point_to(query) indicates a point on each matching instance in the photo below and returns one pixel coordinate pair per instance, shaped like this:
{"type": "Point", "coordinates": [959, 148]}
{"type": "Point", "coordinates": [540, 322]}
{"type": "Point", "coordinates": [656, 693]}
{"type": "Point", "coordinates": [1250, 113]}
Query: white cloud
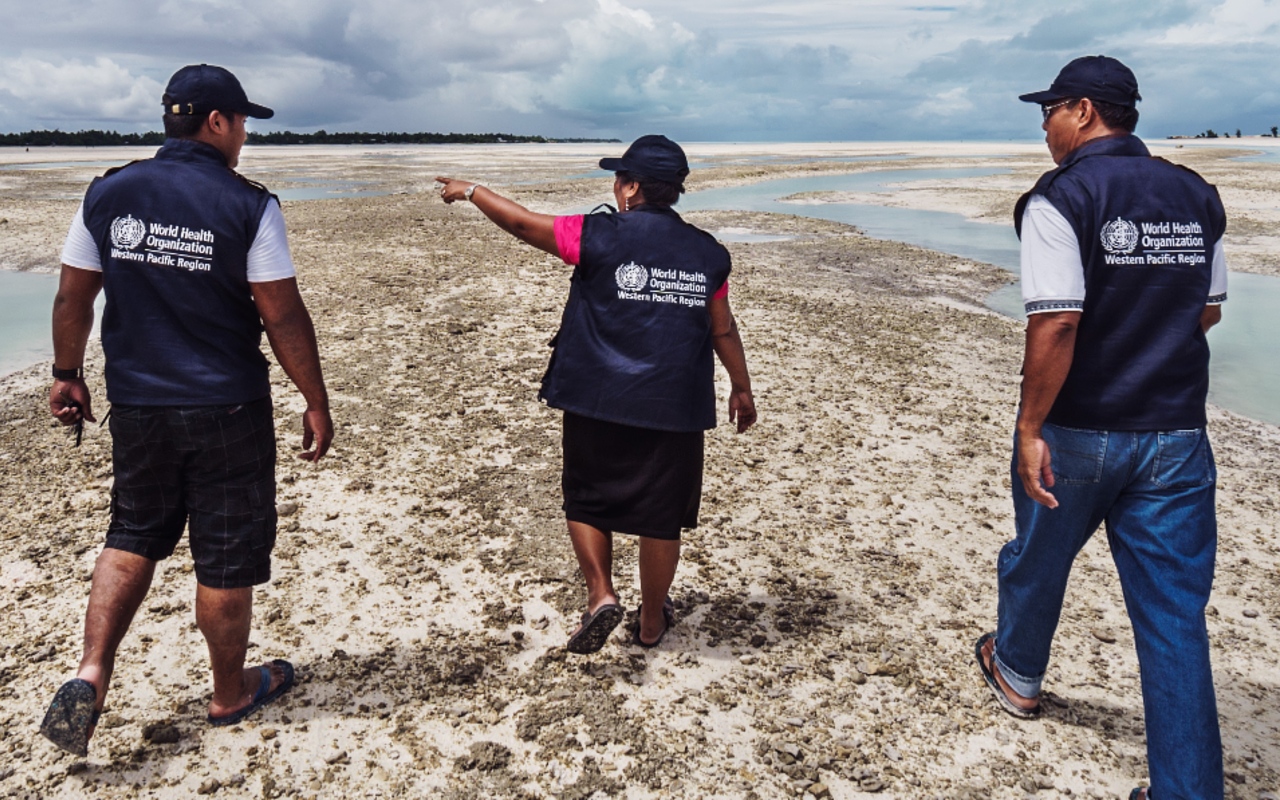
{"type": "Point", "coordinates": [1232, 23]}
{"type": "Point", "coordinates": [621, 59]}
{"type": "Point", "coordinates": [77, 90]}
{"type": "Point", "coordinates": [950, 103]}
{"type": "Point", "coordinates": [613, 60]}
{"type": "Point", "coordinates": [712, 69]}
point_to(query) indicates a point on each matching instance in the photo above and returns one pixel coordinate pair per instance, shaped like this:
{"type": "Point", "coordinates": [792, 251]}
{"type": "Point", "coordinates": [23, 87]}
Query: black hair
{"type": "Point", "coordinates": [659, 193]}
{"type": "Point", "coordinates": [1117, 117]}
{"type": "Point", "coordinates": [185, 126]}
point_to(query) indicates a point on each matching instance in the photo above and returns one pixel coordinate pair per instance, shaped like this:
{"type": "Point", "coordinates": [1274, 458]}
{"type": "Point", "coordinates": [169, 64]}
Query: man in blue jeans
{"type": "Point", "coordinates": [1122, 275]}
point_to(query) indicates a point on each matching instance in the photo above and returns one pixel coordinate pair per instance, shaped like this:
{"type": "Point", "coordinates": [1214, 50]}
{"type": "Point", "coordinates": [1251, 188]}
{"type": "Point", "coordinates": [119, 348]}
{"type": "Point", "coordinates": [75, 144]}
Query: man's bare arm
{"type": "Point", "coordinates": [293, 340]}
{"type": "Point", "coordinates": [1051, 343]}
{"type": "Point", "coordinates": [72, 322]}
{"type": "Point", "coordinates": [1211, 316]}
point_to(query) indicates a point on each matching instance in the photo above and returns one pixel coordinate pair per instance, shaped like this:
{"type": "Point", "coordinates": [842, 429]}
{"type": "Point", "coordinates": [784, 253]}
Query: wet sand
{"type": "Point", "coordinates": [424, 585]}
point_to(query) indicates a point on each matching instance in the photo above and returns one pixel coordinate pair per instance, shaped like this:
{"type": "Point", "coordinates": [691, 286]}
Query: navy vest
{"type": "Point", "coordinates": [180, 327]}
{"type": "Point", "coordinates": [634, 345]}
{"type": "Point", "coordinates": [1146, 230]}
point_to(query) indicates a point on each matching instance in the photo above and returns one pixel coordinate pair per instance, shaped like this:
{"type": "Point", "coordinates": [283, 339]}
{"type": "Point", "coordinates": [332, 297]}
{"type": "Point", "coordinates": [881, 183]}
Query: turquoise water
{"type": "Point", "coordinates": [26, 309]}
{"type": "Point", "coordinates": [26, 318]}
{"type": "Point", "coordinates": [1245, 365]}
{"type": "Point", "coordinates": [1268, 157]}
{"type": "Point", "coordinates": [936, 230]}
{"type": "Point", "coordinates": [1244, 369]}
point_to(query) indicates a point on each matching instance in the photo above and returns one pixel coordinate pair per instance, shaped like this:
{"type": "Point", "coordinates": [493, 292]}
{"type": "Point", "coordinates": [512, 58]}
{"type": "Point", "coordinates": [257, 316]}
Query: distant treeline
{"type": "Point", "coordinates": [78, 139]}
{"type": "Point", "coordinates": [112, 138]}
{"type": "Point", "coordinates": [1212, 134]}
{"type": "Point", "coordinates": [323, 137]}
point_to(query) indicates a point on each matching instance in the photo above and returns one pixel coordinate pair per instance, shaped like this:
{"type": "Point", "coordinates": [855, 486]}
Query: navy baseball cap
{"type": "Point", "coordinates": [201, 88]}
{"type": "Point", "coordinates": [653, 156]}
{"type": "Point", "coordinates": [1100, 78]}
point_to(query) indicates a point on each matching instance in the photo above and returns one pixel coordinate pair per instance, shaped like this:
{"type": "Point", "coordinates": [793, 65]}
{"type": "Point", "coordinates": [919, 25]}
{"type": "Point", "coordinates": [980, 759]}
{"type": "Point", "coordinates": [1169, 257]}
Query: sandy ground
{"type": "Point", "coordinates": [424, 585]}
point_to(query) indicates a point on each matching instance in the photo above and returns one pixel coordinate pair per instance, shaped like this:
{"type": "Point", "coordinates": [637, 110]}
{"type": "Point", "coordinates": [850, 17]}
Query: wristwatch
{"type": "Point", "coordinates": [68, 374]}
{"type": "Point", "coordinates": [470, 189]}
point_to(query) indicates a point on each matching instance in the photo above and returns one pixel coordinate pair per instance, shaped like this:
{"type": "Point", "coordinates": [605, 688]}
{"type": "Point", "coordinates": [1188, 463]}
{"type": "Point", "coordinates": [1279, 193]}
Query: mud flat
{"type": "Point", "coordinates": [424, 585]}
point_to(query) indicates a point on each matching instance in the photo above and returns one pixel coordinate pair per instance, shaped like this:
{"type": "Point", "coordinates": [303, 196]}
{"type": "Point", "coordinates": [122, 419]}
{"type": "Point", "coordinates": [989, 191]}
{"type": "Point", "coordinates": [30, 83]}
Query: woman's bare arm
{"type": "Point", "coordinates": [728, 346]}
{"type": "Point", "coordinates": [527, 226]}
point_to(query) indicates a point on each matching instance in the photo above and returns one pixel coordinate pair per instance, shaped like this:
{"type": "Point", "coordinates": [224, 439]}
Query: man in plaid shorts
{"type": "Point", "coordinates": [194, 261]}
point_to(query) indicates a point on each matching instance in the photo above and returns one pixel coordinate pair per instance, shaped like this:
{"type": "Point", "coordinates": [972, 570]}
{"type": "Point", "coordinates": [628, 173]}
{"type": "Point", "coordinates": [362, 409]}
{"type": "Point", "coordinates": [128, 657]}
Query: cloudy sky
{"type": "Point", "coordinates": [796, 70]}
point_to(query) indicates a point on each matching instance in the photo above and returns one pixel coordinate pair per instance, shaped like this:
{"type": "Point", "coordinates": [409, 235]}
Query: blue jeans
{"type": "Point", "coordinates": [1155, 491]}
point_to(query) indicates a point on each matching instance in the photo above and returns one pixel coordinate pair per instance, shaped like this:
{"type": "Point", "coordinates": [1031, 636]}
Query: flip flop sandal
{"type": "Point", "coordinates": [1141, 793]}
{"type": "Point", "coordinates": [595, 629]}
{"type": "Point", "coordinates": [989, 676]}
{"type": "Point", "coordinates": [71, 715]}
{"type": "Point", "coordinates": [262, 697]}
{"type": "Point", "coordinates": [668, 614]}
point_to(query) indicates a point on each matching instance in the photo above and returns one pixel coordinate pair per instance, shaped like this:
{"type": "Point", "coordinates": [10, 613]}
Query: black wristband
{"type": "Point", "coordinates": [68, 374]}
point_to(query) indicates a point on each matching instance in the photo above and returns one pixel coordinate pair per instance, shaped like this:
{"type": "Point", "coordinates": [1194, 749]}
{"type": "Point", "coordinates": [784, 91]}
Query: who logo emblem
{"type": "Point", "coordinates": [127, 232]}
{"type": "Point", "coordinates": [1119, 236]}
{"type": "Point", "coordinates": [631, 277]}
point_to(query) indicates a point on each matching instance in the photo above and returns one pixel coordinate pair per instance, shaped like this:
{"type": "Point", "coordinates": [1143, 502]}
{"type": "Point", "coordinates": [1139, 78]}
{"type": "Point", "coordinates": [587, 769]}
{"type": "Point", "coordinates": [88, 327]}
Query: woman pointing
{"type": "Point", "coordinates": [632, 370]}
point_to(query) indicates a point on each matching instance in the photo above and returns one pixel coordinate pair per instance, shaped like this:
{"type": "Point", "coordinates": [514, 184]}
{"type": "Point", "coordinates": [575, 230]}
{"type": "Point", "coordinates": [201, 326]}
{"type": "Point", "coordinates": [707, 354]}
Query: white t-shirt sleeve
{"type": "Point", "coordinates": [269, 258]}
{"type": "Point", "coordinates": [80, 250]}
{"type": "Point", "coordinates": [1218, 283]}
{"type": "Point", "coordinates": [1052, 269]}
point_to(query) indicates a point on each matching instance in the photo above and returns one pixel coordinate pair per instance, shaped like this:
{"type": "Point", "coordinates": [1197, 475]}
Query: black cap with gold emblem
{"type": "Point", "coordinates": [201, 88]}
{"type": "Point", "coordinates": [1099, 78]}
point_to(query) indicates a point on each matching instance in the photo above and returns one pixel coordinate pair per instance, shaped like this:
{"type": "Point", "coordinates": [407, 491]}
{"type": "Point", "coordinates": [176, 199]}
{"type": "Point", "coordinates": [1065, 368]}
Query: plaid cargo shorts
{"type": "Point", "coordinates": [209, 467]}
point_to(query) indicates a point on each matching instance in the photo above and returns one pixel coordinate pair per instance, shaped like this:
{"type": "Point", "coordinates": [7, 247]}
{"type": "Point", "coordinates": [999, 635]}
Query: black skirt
{"type": "Point", "coordinates": [625, 479]}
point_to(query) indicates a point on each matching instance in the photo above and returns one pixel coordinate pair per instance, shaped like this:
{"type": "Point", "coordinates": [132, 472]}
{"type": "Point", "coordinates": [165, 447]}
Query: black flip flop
{"type": "Point", "coordinates": [595, 629]}
{"type": "Point", "coordinates": [262, 697]}
{"type": "Point", "coordinates": [71, 715]}
{"type": "Point", "coordinates": [668, 615]}
{"type": "Point", "coordinates": [1141, 793]}
{"type": "Point", "coordinates": [990, 677]}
